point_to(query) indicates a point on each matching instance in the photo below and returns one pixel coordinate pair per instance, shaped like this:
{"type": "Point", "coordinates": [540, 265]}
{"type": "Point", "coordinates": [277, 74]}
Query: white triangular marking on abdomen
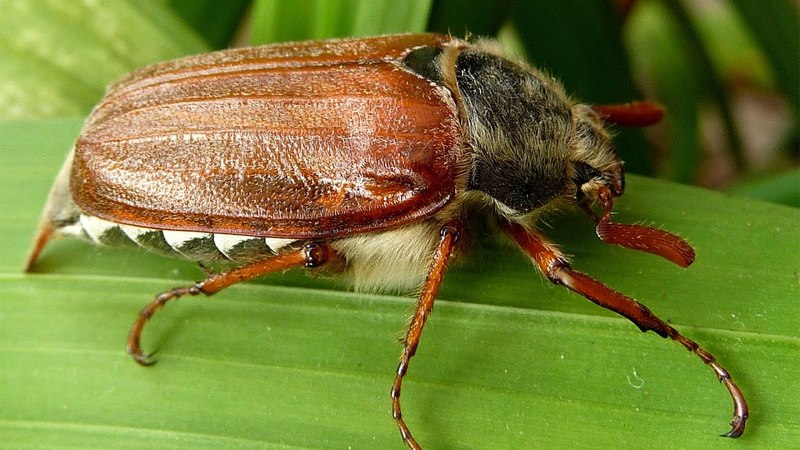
{"type": "Point", "coordinates": [134, 232]}
{"type": "Point", "coordinates": [226, 242]}
{"type": "Point", "coordinates": [178, 239]}
{"type": "Point", "coordinates": [276, 244]}
{"type": "Point", "coordinates": [95, 227]}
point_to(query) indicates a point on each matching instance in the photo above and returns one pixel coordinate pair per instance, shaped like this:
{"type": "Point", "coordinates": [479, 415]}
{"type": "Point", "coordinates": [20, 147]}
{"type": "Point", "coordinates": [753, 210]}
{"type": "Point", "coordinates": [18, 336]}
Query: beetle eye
{"type": "Point", "coordinates": [584, 173]}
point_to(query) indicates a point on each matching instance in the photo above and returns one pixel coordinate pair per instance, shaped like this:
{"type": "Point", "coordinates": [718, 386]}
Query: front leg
{"type": "Point", "coordinates": [556, 268]}
{"type": "Point", "coordinates": [447, 240]}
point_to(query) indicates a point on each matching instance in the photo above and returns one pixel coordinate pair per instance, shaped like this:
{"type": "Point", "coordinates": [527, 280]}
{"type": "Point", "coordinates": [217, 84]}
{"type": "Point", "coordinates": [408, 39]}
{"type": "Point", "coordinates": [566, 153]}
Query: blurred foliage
{"type": "Point", "coordinates": [217, 25]}
{"type": "Point", "coordinates": [280, 20]}
{"type": "Point", "coordinates": [727, 71]}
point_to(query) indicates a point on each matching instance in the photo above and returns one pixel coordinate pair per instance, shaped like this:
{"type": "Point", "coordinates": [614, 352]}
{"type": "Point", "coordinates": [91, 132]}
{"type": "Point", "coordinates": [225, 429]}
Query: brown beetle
{"type": "Point", "coordinates": [359, 156]}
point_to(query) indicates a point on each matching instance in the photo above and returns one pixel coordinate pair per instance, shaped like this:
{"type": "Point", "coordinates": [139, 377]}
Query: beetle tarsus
{"type": "Point", "coordinates": [737, 427]}
{"type": "Point", "coordinates": [740, 409]}
{"type": "Point", "coordinates": [45, 234]}
{"type": "Point", "coordinates": [134, 346]}
{"type": "Point", "coordinates": [143, 359]}
{"type": "Point", "coordinates": [397, 413]}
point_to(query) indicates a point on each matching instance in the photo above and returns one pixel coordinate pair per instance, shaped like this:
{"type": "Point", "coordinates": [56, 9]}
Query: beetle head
{"type": "Point", "coordinates": [593, 160]}
{"type": "Point", "coordinates": [532, 148]}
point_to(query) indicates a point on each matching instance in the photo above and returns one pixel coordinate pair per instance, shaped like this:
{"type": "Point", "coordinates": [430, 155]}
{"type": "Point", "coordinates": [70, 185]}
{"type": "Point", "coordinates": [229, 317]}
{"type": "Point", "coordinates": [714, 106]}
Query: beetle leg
{"type": "Point", "coordinates": [556, 268]}
{"type": "Point", "coordinates": [310, 255]}
{"type": "Point", "coordinates": [447, 240]}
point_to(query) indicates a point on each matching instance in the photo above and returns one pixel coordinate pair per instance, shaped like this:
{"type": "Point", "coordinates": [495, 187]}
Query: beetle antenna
{"type": "Point", "coordinates": [638, 237]}
{"type": "Point", "coordinates": [633, 114]}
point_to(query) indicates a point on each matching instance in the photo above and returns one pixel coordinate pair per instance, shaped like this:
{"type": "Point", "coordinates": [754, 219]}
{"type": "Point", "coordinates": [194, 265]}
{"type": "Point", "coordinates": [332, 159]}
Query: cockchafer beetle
{"type": "Point", "coordinates": [361, 156]}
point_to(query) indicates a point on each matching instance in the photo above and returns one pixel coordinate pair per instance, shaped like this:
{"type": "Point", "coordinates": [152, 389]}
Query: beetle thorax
{"type": "Point", "coordinates": [519, 127]}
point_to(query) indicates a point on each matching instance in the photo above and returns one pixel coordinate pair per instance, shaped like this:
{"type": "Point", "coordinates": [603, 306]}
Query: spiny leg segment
{"type": "Point", "coordinates": [447, 240]}
{"type": "Point", "coordinates": [556, 268]}
{"type": "Point", "coordinates": [310, 255]}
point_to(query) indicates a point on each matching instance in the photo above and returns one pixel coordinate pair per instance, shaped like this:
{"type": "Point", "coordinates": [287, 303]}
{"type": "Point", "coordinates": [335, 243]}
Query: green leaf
{"type": "Point", "coordinates": [482, 18]}
{"type": "Point", "coordinates": [706, 74]}
{"type": "Point", "coordinates": [506, 361]}
{"type": "Point", "coordinates": [783, 189]}
{"type": "Point", "coordinates": [58, 56]}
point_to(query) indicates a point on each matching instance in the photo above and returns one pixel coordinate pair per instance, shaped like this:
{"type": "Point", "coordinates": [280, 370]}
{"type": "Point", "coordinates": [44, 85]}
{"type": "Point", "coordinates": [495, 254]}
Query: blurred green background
{"type": "Point", "coordinates": [728, 72]}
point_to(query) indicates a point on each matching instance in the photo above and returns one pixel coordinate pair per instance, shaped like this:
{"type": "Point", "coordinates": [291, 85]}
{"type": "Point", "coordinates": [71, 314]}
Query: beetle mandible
{"type": "Point", "coordinates": [359, 156]}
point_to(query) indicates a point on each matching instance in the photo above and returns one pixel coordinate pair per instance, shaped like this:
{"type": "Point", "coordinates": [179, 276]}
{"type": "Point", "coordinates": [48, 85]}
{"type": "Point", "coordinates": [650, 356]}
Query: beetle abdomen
{"type": "Point", "coordinates": [389, 260]}
{"type": "Point", "coordinates": [190, 245]}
